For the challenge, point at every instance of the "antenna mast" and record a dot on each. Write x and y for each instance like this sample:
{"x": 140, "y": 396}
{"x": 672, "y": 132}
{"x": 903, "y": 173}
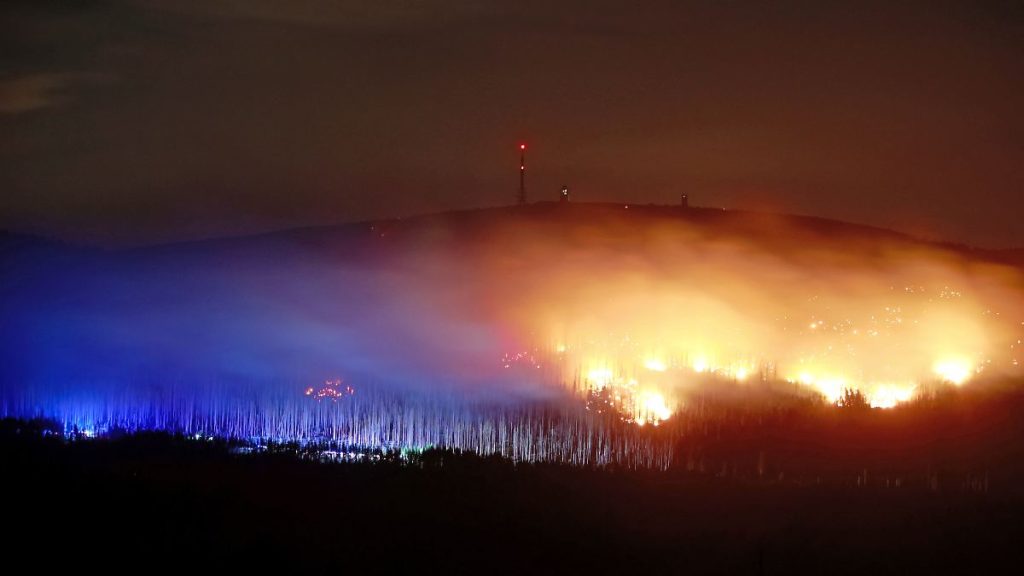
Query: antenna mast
{"x": 522, "y": 173}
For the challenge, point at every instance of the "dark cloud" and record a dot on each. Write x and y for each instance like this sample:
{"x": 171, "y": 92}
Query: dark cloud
{"x": 227, "y": 117}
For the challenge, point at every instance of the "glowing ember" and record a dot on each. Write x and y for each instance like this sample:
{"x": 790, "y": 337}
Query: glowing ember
{"x": 832, "y": 388}
{"x": 332, "y": 390}
{"x": 599, "y": 377}
{"x": 655, "y": 365}
{"x": 700, "y": 365}
{"x": 955, "y": 370}
{"x": 886, "y": 396}
{"x": 651, "y": 407}
{"x": 608, "y": 391}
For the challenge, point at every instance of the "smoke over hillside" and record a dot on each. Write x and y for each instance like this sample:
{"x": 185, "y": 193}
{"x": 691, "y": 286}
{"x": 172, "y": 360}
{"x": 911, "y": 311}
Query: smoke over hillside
{"x": 547, "y": 303}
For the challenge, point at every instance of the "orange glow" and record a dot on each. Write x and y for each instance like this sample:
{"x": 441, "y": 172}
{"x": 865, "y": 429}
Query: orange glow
{"x": 651, "y": 407}
{"x": 646, "y": 308}
{"x": 955, "y": 370}
{"x": 655, "y": 365}
{"x": 888, "y": 396}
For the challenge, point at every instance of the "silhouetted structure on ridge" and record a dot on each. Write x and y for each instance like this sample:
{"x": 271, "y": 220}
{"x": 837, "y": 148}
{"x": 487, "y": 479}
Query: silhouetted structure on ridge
{"x": 522, "y": 173}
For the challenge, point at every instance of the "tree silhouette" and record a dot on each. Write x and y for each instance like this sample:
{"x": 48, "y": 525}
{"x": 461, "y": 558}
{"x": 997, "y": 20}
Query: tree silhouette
{"x": 853, "y": 400}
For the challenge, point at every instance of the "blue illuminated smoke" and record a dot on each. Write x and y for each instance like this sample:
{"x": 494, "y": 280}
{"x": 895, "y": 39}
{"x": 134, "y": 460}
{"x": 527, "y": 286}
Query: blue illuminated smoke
{"x": 223, "y": 339}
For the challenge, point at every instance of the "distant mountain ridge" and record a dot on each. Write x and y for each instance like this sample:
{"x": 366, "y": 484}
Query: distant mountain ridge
{"x": 474, "y": 221}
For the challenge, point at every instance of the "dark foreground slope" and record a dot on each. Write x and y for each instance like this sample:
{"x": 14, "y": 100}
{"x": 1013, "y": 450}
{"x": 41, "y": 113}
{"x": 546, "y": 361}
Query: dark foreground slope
{"x": 155, "y": 502}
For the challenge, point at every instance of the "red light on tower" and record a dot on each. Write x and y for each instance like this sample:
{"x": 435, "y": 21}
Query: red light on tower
{"x": 522, "y": 173}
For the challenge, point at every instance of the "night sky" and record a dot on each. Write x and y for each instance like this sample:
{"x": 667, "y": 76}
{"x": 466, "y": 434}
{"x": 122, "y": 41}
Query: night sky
{"x": 141, "y": 121}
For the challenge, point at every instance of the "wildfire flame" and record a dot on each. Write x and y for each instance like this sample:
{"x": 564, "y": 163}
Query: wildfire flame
{"x": 332, "y": 390}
